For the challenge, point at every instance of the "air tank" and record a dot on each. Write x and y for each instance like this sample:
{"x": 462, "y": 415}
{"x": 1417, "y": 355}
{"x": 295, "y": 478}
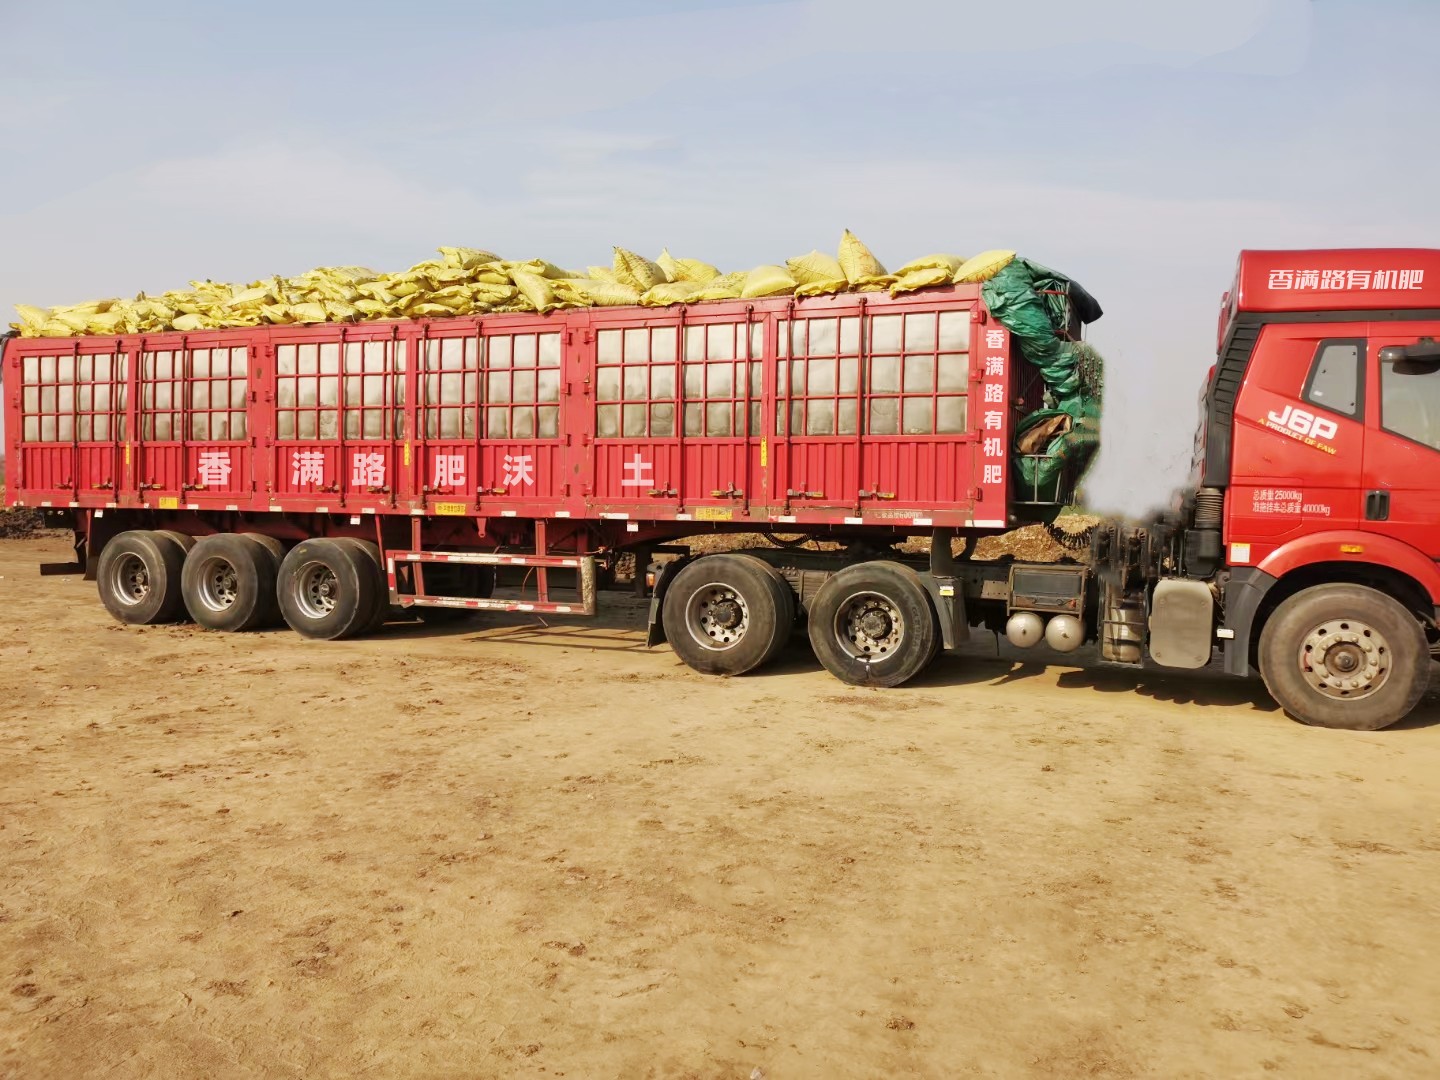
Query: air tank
{"x": 1024, "y": 629}
{"x": 1064, "y": 633}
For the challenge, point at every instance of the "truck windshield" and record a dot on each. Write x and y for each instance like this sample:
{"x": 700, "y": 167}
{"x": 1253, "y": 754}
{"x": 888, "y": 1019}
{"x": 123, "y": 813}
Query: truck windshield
{"x": 1410, "y": 400}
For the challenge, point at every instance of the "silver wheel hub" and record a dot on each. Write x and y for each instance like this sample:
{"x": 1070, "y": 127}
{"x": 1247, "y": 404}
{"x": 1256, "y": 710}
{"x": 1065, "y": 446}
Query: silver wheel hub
{"x": 218, "y": 584}
{"x": 717, "y": 616}
{"x": 869, "y": 626}
{"x": 318, "y": 589}
{"x": 130, "y": 580}
{"x": 1345, "y": 659}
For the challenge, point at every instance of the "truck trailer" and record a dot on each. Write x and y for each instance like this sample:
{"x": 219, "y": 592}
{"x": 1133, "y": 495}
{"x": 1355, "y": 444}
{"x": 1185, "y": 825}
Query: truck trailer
{"x": 329, "y": 475}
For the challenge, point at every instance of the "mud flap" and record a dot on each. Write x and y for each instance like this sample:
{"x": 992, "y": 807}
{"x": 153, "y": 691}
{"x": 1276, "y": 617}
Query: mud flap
{"x": 655, "y": 630}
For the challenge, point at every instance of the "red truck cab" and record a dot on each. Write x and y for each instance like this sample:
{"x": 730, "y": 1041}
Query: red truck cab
{"x": 1322, "y": 435}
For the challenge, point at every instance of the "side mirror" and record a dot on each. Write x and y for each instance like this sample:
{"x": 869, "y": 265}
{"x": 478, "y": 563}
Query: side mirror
{"x": 1424, "y": 350}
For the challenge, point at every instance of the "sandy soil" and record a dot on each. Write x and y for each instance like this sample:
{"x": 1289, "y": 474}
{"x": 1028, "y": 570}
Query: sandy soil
{"x": 508, "y": 849}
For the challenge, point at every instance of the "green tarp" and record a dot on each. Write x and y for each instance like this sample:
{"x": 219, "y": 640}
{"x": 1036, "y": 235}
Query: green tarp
{"x": 1041, "y": 309}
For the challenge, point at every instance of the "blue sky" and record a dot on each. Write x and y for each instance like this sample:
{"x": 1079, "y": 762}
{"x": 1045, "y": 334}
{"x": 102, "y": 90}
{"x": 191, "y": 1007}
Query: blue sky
{"x": 1135, "y": 145}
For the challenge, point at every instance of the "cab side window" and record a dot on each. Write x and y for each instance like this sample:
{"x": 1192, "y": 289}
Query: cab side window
{"x": 1336, "y": 377}
{"x": 1410, "y": 400}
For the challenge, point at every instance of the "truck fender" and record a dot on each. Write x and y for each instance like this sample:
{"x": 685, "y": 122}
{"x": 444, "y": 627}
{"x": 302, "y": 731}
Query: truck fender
{"x": 1354, "y": 546}
{"x": 655, "y": 628}
{"x": 1248, "y": 586}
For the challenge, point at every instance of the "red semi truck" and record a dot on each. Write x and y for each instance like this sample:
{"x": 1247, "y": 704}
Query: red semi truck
{"x": 329, "y": 474}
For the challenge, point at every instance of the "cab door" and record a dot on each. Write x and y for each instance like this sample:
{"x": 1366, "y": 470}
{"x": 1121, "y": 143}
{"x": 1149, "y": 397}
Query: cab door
{"x": 1299, "y": 436}
{"x": 1400, "y": 496}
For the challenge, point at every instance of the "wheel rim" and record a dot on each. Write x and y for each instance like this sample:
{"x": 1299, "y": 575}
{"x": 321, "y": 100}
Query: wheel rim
{"x": 717, "y": 616}
{"x": 869, "y": 627}
{"x": 318, "y": 588}
{"x": 130, "y": 580}
{"x": 218, "y": 584}
{"x": 1345, "y": 659}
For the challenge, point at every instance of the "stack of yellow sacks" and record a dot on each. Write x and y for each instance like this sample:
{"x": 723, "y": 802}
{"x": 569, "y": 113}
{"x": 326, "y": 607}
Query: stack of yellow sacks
{"x": 468, "y": 281}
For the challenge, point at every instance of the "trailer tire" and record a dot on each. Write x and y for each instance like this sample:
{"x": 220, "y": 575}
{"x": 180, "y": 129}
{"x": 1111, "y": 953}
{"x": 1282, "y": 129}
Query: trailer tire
{"x": 725, "y": 615}
{"x": 327, "y": 589}
{"x": 872, "y": 624}
{"x": 228, "y": 582}
{"x": 276, "y": 550}
{"x": 786, "y": 606}
{"x": 1325, "y": 637}
{"x": 371, "y": 551}
{"x": 139, "y": 578}
{"x": 185, "y": 540}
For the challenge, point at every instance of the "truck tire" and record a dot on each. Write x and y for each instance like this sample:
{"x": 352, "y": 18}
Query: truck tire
{"x": 371, "y": 551}
{"x": 725, "y": 615}
{"x": 872, "y": 624}
{"x": 185, "y": 540}
{"x": 327, "y": 589}
{"x": 228, "y": 582}
{"x": 1344, "y": 656}
{"x": 786, "y": 607}
{"x": 139, "y": 578}
{"x": 276, "y": 550}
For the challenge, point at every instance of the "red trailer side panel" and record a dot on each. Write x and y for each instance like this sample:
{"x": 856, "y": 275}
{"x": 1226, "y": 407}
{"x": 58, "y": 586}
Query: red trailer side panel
{"x": 830, "y": 410}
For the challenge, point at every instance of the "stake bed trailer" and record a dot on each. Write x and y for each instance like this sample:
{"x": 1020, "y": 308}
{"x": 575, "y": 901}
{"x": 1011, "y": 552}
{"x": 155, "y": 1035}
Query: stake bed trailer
{"x": 327, "y": 473}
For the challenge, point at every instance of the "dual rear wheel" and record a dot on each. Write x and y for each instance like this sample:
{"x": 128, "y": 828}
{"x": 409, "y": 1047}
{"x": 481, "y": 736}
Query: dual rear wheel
{"x": 327, "y": 588}
{"x": 871, "y": 624}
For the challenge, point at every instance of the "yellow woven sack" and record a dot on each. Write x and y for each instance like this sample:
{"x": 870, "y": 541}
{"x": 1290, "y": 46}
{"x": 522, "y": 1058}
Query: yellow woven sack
{"x": 189, "y": 322}
{"x": 767, "y": 281}
{"x": 590, "y": 292}
{"x": 983, "y": 266}
{"x": 686, "y": 269}
{"x": 695, "y": 270}
{"x": 671, "y": 292}
{"x": 637, "y": 271}
{"x": 538, "y": 290}
{"x": 31, "y": 320}
{"x": 814, "y": 267}
{"x": 485, "y": 293}
{"x": 858, "y": 265}
{"x": 536, "y": 266}
{"x": 949, "y": 263}
{"x": 106, "y": 322}
{"x": 600, "y": 273}
{"x": 724, "y": 287}
{"x": 372, "y": 309}
{"x": 824, "y": 287}
{"x": 467, "y": 258}
{"x": 308, "y": 313}
{"x": 920, "y": 279}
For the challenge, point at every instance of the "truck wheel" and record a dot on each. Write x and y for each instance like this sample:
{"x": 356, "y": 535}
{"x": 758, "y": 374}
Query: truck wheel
{"x": 276, "y": 550}
{"x": 139, "y": 578}
{"x": 724, "y": 614}
{"x": 1344, "y": 656}
{"x": 371, "y": 551}
{"x": 327, "y": 589}
{"x": 871, "y": 624}
{"x": 228, "y": 582}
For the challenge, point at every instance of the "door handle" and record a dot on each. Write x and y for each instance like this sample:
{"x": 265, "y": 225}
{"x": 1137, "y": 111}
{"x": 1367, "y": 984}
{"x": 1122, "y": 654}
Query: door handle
{"x": 1377, "y": 506}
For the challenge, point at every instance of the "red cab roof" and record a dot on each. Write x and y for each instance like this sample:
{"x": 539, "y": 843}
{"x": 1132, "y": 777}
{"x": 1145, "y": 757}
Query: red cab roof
{"x": 1336, "y": 279}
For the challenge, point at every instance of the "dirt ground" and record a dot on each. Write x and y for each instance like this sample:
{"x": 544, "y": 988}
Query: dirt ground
{"x": 507, "y": 849}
